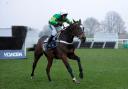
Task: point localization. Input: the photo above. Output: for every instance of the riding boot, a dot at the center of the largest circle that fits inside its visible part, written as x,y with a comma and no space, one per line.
49,41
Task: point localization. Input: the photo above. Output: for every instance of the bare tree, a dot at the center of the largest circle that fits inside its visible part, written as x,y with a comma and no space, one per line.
113,23
91,25
45,32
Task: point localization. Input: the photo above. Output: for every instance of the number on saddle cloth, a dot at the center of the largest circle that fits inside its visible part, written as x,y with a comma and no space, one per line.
52,44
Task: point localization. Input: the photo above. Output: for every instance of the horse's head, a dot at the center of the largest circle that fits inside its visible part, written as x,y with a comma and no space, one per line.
77,29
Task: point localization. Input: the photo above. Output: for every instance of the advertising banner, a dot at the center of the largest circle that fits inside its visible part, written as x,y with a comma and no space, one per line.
12,54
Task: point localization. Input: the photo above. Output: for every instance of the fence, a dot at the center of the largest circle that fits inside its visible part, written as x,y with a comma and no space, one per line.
12,42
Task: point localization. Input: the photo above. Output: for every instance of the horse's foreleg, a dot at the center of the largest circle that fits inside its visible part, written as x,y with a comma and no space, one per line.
80,67
36,58
50,60
74,57
65,61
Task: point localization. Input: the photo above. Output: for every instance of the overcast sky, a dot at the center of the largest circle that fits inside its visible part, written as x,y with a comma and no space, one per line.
36,13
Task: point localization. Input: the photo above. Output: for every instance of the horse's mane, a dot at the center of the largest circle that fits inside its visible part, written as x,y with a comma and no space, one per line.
68,28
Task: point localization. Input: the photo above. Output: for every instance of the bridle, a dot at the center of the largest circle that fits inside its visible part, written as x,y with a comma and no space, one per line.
69,28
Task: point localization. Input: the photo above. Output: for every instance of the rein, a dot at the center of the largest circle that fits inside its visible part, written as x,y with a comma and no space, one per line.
65,42
62,41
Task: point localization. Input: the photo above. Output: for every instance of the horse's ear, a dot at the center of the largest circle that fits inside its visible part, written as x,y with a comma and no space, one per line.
74,21
79,21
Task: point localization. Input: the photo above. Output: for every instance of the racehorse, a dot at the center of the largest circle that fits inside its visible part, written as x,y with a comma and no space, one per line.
64,49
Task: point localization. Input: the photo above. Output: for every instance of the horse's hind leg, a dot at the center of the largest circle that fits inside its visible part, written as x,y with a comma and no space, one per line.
37,55
50,60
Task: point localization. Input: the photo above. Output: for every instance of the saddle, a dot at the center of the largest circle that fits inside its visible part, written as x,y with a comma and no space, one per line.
52,44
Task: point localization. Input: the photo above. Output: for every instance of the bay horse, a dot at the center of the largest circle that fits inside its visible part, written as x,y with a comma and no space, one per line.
64,50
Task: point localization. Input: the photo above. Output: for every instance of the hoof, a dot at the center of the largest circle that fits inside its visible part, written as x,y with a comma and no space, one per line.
50,80
81,75
76,81
32,77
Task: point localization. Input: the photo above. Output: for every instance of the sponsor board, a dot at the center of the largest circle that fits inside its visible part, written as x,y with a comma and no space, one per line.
12,54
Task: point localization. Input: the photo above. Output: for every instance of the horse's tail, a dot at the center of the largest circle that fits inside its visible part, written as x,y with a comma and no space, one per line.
38,52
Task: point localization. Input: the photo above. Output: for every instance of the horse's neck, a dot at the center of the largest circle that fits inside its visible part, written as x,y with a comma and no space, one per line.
66,36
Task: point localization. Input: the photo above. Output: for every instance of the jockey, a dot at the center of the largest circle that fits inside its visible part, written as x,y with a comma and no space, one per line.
56,23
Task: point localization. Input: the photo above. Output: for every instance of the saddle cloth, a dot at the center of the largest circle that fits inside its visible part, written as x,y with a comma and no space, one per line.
51,45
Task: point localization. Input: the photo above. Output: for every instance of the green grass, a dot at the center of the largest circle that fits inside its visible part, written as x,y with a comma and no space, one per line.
103,69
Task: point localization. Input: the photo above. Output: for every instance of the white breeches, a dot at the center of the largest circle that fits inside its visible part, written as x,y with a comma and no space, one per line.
54,29
54,32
